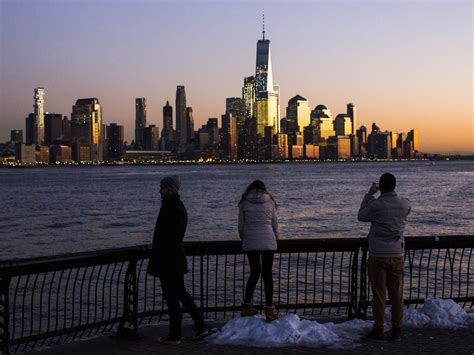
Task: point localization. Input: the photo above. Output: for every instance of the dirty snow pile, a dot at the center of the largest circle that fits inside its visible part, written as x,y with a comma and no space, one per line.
291,330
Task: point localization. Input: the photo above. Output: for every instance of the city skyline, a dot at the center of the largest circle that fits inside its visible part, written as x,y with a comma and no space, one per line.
399,112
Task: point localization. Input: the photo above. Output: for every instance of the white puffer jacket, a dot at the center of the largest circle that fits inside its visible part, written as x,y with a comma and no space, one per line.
258,223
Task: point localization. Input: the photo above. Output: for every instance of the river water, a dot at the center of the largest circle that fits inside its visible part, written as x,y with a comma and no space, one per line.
47,211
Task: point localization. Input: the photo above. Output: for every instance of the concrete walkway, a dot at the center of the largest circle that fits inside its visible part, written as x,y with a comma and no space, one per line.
447,341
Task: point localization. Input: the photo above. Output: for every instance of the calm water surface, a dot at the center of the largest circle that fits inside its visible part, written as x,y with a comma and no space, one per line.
47,211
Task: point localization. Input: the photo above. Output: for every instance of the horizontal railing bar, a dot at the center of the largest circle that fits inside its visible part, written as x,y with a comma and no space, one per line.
16,267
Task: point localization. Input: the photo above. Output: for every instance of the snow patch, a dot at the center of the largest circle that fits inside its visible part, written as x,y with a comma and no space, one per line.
290,330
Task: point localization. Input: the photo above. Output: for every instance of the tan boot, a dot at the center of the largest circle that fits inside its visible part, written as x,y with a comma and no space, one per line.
270,314
247,310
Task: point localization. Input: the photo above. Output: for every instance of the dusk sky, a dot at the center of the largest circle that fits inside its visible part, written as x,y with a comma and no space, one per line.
404,64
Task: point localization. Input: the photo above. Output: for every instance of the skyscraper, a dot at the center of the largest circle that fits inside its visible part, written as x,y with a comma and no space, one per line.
39,116
298,116
352,113
235,106
114,141
343,125
267,94
181,124
189,125
140,121
53,127
229,136
167,132
86,126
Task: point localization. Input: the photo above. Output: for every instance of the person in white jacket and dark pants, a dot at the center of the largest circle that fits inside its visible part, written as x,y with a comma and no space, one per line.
258,229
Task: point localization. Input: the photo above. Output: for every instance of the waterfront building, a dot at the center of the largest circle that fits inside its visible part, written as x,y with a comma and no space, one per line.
115,141
311,151
321,118
181,122
30,129
298,116
266,93
167,134
53,128
282,146
43,154
343,147
190,125
297,152
343,125
86,128
140,122
236,107
16,136
352,113
66,130
379,143
151,138
60,154
25,153
38,112
229,136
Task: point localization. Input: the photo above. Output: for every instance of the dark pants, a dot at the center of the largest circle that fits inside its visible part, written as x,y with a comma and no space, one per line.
386,274
175,293
260,262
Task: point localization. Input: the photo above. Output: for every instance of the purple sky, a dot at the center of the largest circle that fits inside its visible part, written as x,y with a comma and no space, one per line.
404,64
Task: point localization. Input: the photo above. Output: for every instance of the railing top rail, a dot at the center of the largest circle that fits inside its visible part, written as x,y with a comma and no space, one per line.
64,261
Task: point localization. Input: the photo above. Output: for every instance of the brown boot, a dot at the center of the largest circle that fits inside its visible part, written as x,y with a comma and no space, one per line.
270,314
247,310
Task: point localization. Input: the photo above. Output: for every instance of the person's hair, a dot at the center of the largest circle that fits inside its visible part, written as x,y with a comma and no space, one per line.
259,186
387,183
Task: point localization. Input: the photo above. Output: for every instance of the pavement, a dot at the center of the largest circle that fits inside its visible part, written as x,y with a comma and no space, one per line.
414,341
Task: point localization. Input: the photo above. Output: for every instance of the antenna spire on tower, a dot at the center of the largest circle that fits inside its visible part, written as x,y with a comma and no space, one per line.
263,23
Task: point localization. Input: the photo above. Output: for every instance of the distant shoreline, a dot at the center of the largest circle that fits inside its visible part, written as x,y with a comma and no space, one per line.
12,165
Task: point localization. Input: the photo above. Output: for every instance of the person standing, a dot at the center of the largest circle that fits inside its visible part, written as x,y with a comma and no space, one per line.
388,217
168,260
258,229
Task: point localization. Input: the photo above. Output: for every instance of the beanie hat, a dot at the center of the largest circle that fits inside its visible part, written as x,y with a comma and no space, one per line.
171,183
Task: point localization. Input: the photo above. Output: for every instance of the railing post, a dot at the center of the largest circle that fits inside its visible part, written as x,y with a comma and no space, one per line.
128,326
354,286
362,309
4,315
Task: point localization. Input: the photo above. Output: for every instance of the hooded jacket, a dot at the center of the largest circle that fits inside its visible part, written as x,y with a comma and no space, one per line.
258,223
388,215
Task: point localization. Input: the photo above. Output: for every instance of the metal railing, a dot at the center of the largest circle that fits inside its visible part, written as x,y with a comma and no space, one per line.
57,299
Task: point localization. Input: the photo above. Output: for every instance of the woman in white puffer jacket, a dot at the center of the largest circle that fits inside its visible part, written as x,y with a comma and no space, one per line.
258,229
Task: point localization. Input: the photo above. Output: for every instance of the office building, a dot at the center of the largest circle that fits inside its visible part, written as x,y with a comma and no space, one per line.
266,92
115,141
229,136
53,128
189,125
167,133
151,138
322,120
86,128
140,122
298,116
16,136
343,125
352,113
38,113
181,122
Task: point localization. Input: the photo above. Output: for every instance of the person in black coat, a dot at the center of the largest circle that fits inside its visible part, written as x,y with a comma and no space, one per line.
168,260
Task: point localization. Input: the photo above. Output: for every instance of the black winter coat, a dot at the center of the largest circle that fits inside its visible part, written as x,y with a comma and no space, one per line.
168,257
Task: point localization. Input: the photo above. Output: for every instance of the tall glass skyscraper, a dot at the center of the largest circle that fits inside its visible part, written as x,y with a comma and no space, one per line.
38,116
140,121
266,92
181,121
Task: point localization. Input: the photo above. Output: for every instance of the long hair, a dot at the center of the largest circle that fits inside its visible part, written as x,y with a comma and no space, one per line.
259,186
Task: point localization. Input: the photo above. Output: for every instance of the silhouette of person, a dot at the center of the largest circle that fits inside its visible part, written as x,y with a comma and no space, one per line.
388,217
